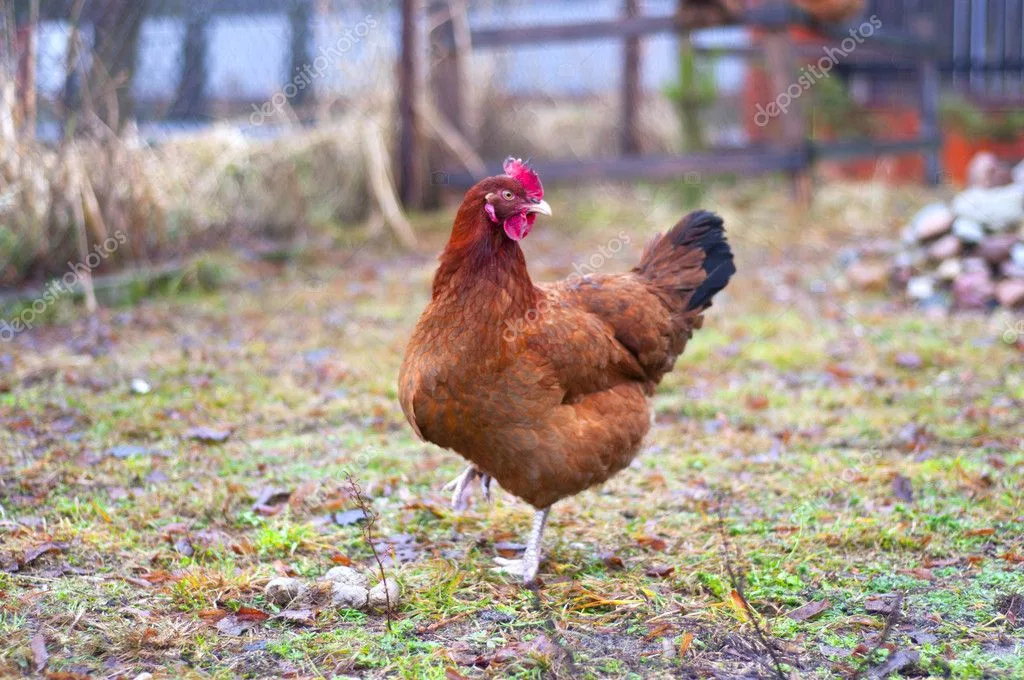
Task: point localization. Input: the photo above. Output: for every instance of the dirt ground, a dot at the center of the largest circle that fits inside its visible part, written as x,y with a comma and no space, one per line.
832,479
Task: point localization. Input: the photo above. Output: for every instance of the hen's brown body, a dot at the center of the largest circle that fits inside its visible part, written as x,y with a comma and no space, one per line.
544,387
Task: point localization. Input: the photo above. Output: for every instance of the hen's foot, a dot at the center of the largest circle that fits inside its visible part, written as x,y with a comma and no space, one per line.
460,487
526,567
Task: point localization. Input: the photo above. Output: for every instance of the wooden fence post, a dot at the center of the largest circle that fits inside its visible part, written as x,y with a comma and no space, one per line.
930,85
631,87
446,108
782,61
410,165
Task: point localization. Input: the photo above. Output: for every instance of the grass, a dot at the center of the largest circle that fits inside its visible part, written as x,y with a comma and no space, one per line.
790,404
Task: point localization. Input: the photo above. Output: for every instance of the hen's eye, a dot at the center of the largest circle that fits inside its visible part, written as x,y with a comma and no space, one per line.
507,195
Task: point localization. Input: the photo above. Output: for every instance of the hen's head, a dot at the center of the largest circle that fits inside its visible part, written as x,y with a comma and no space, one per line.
514,200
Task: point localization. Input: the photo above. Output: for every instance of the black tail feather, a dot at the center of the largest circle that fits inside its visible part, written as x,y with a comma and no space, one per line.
705,230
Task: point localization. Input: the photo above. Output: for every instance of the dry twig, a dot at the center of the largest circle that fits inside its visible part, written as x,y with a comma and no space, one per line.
736,580
371,520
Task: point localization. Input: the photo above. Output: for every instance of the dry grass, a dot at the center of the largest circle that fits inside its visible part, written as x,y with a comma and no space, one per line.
792,401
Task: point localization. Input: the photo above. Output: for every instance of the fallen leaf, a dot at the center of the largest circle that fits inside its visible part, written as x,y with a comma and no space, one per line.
612,561
271,501
251,614
980,532
809,610
684,644
39,654
879,605
127,451
839,372
652,542
944,562
894,663
538,646
509,549
184,547
903,489
922,573
212,615
738,604
157,577
343,560
659,570
350,517
232,625
757,402
658,631
33,554
302,617
207,435
908,360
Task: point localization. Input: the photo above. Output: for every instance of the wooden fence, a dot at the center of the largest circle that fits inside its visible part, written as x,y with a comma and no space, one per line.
794,155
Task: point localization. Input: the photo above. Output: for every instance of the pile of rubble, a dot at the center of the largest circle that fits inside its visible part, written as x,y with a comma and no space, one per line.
969,254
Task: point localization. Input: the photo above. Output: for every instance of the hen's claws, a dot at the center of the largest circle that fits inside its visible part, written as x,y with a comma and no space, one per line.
460,487
526,568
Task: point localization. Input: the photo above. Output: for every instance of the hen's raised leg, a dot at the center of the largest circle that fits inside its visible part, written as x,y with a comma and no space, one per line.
527,566
460,486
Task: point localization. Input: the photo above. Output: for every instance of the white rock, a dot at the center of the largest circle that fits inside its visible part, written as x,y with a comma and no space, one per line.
282,590
920,287
968,230
1018,173
1017,254
998,208
949,269
986,170
140,386
378,599
348,596
931,221
347,576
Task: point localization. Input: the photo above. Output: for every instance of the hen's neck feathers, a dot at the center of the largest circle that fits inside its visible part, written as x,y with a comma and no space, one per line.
480,254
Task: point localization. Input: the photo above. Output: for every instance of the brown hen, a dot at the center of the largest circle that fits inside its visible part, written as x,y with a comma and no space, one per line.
544,387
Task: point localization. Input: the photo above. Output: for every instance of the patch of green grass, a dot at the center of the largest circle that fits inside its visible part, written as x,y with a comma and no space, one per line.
304,376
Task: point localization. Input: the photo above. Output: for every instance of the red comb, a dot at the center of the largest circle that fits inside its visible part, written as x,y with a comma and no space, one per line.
518,170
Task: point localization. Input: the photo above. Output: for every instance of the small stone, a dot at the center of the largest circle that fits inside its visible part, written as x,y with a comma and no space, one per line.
348,596
1010,292
347,576
946,247
998,209
378,599
868,275
1017,254
140,386
987,171
932,221
997,248
921,287
912,257
1011,270
282,590
973,289
968,231
949,269
974,264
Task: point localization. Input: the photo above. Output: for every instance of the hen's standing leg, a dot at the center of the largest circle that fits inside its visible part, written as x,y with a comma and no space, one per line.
460,486
530,562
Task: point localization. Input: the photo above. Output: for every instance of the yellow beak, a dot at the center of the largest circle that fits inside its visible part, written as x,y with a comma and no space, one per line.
543,208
